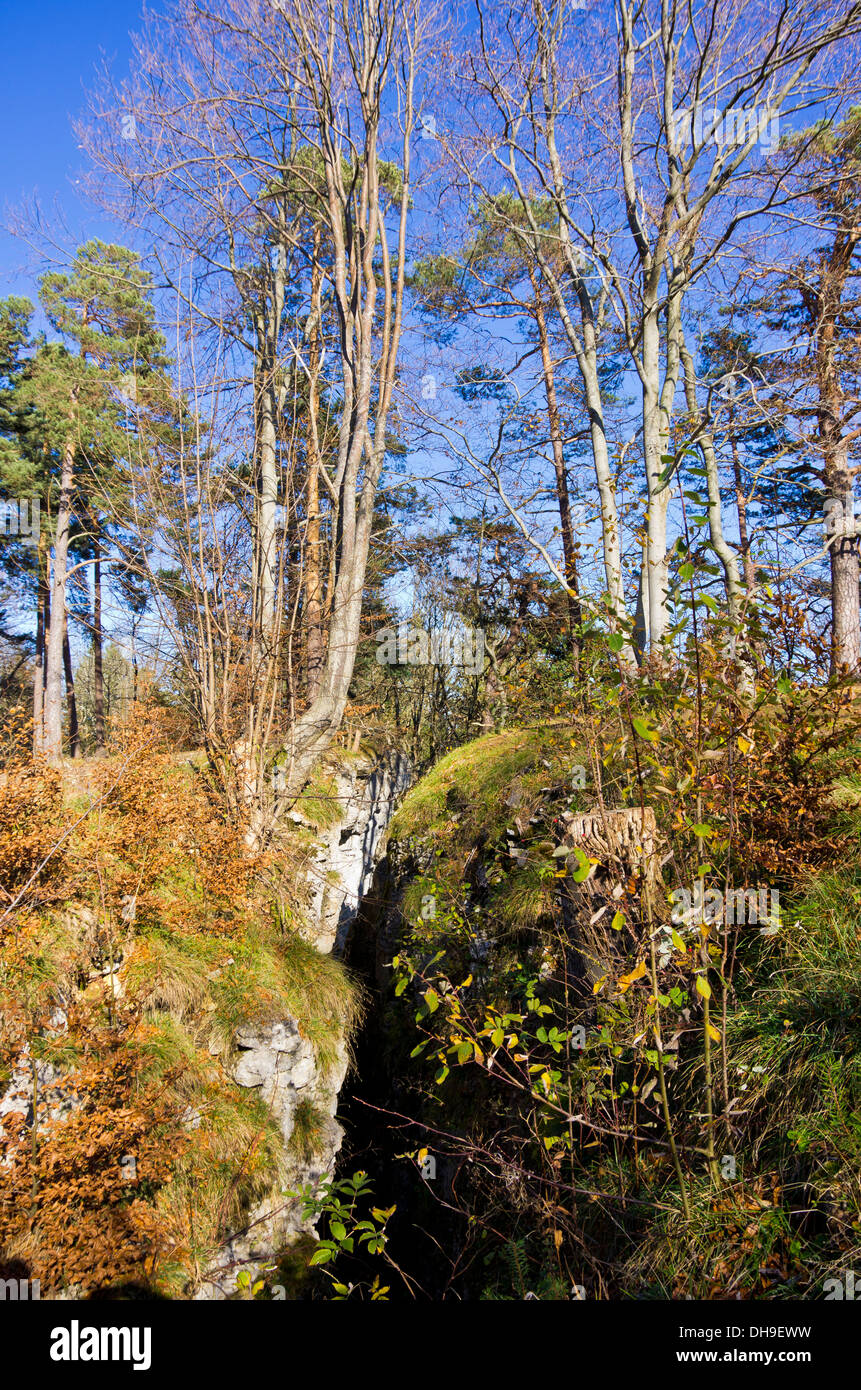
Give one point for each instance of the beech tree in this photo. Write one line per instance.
(289, 227)
(816, 305)
(497, 275)
(650, 201)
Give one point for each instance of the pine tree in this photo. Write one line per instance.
(102, 309)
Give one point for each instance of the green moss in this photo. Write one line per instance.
(320, 801)
(308, 1138)
(477, 789)
(170, 976)
(528, 896)
(270, 979)
(166, 1047)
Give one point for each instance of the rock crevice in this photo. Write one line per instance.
(275, 1058)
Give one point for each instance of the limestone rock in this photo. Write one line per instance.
(349, 850)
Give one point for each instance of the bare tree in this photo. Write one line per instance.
(656, 200)
(259, 153)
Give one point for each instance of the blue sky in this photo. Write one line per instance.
(48, 52)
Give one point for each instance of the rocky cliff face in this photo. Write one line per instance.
(349, 850)
(276, 1059)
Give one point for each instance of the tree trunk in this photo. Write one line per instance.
(585, 347)
(843, 550)
(267, 501)
(839, 490)
(42, 618)
(735, 642)
(98, 670)
(74, 735)
(846, 647)
(741, 508)
(720, 545)
(314, 644)
(268, 325)
(658, 399)
(569, 548)
(134, 665)
(53, 716)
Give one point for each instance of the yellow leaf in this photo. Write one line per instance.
(713, 1033)
(627, 980)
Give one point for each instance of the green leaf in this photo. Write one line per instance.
(584, 866)
(618, 921)
(338, 1231)
(615, 641)
(320, 1256)
(432, 1000)
(644, 731)
(702, 831)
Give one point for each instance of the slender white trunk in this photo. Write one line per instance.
(267, 505)
(735, 644)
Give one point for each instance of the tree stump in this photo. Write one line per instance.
(627, 848)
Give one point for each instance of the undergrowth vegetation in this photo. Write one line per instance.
(146, 936)
(626, 997)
